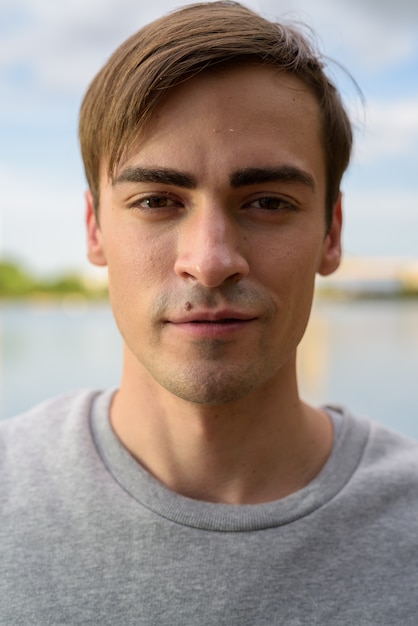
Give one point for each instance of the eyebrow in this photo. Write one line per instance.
(164, 176)
(283, 173)
(240, 178)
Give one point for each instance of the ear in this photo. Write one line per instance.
(331, 251)
(95, 247)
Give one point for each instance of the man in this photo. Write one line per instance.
(205, 491)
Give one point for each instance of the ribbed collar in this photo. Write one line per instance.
(352, 434)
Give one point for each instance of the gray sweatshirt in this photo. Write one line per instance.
(88, 537)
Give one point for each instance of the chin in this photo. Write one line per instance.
(220, 386)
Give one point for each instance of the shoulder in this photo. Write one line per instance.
(387, 470)
(46, 434)
(392, 459)
(387, 450)
(381, 442)
(50, 414)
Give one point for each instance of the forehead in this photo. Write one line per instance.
(244, 114)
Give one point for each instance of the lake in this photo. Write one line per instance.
(363, 354)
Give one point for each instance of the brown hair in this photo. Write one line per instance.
(124, 94)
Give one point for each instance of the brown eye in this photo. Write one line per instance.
(272, 203)
(156, 202)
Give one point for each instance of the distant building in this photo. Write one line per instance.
(372, 276)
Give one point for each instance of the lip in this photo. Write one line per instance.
(200, 317)
(212, 324)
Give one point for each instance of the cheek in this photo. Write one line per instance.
(289, 261)
(137, 263)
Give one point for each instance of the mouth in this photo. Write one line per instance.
(227, 320)
(212, 317)
(212, 325)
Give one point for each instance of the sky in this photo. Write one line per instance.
(51, 49)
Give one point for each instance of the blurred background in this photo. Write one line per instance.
(362, 347)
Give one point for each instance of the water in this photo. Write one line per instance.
(360, 354)
(364, 355)
(50, 349)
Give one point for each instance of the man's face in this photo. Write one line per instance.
(213, 230)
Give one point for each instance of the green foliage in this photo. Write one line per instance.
(18, 282)
(15, 281)
(69, 283)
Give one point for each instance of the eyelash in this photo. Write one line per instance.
(285, 205)
(169, 202)
(139, 203)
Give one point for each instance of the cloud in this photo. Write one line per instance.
(391, 130)
(402, 11)
(380, 222)
(373, 32)
(62, 44)
(381, 32)
(41, 220)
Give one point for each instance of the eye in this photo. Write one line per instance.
(271, 203)
(155, 201)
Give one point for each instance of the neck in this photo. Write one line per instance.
(258, 449)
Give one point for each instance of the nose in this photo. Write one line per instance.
(210, 248)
